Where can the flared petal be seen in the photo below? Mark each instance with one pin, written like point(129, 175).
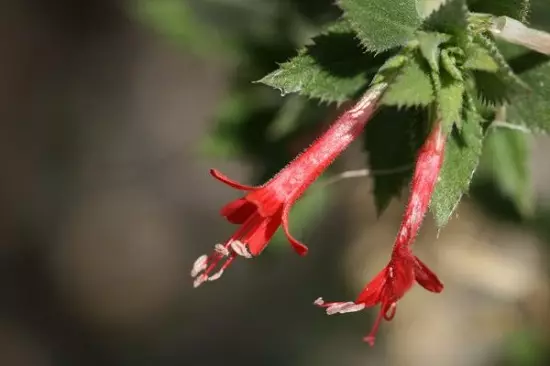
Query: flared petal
point(426, 278)
point(258, 239)
point(238, 211)
point(298, 246)
point(372, 292)
point(230, 182)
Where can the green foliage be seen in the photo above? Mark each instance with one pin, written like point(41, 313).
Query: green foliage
point(382, 24)
point(332, 69)
point(451, 17)
point(432, 60)
point(462, 156)
point(531, 108)
point(429, 44)
point(411, 87)
point(449, 100)
point(506, 161)
point(479, 58)
point(391, 141)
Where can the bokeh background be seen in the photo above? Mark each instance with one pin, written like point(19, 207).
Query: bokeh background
point(111, 114)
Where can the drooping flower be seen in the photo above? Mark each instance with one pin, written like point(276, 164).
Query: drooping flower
point(404, 268)
point(263, 209)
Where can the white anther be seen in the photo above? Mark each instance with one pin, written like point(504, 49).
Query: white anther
point(200, 265)
point(240, 248)
point(344, 307)
point(200, 280)
point(216, 275)
point(319, 302)
point(222, 250)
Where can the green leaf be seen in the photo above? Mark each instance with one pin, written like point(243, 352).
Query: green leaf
point(506, 158)
point(392, 138)
point(532, 108)
point(449, 100)
point(491, 89)
point(461, 159)
point(382, 24)
point(332, 69)
point(429, 46)
point(411, 87)
point(451, 17)
point(479, 58)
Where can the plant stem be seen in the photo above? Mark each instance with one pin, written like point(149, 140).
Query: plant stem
point(513, 31)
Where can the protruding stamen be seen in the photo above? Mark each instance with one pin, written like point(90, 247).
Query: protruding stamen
point(339, 307)
point(200, 280)
point(221, 250)
point(216, 275)
point(240, 248)
point(344, 307)
point(199, 265)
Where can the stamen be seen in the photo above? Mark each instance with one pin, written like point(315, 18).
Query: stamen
point(344, 307)
point(200, 280)
point(339, 307)
point(221, 250)
point(319, 302)
point(216, 275)
point(199, 265)
point(240, 248)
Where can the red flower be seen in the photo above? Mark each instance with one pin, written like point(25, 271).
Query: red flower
point(263, 209)
point(404, 268)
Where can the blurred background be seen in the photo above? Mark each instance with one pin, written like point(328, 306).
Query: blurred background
point(111, 114)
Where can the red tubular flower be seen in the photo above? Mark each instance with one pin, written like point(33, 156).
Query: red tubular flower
point(404, 268)
point(263, 209)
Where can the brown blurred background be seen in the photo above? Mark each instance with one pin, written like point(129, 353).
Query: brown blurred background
point(105, 202)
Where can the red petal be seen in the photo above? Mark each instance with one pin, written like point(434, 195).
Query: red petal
point(260, 236)
point(372, 292)
point(222, 178)
point(238, 211)
point(267, 200)
point(299, 247)
point(426, 278)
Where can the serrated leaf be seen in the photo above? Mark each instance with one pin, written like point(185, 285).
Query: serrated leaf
point(451, 17)
point(332, 69)
point(462, 155)
point(382, 24)
point(405, 130)
point(506, 158)
point(491, 89)
point(429, 46)
point(411, 87)
point(478, 58)
point(449, 101)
